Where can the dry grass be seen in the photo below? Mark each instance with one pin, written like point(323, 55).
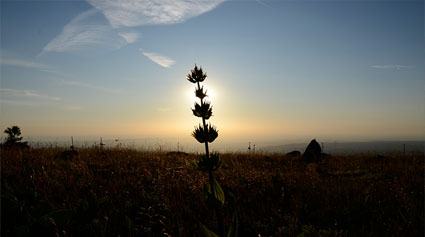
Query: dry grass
point(130, 193)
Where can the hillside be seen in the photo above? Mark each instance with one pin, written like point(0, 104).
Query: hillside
point(135, 193)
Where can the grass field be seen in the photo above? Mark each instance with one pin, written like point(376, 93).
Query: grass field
point(127, 192)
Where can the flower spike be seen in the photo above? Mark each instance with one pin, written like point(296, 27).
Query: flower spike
point(196, 75)
point(206, 133)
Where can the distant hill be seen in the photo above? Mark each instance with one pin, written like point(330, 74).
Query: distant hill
point(354, 147)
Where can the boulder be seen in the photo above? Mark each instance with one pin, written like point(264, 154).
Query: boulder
point(313, 153)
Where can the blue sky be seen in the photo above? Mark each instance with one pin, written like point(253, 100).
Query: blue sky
point(277, 70)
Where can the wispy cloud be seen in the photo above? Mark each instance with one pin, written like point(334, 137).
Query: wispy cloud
point(58, 77)
point(32, 103)
point(27, 93)
point(26, 64)
point(159, 59)
point(17, 102)
point(393, 66)
point(130, 37)
point(83, 31)
point(130, 13)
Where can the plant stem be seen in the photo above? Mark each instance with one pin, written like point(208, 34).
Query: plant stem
point(218, 211)
point(207, 153)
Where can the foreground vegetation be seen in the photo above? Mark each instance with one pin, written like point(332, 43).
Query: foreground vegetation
point(127, 192)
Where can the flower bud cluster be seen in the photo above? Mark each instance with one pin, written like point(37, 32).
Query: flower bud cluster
point(196, 75)
point(205, 134)
point(203, 110)
point(205, 164)
point(199, 92)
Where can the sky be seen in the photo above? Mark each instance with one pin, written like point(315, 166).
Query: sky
point(278, 71)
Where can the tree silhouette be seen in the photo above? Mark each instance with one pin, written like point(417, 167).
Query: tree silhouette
point(13, 135)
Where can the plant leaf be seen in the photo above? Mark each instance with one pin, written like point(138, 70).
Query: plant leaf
point(216, 192)
point(211, 201)
point(233, 230)
point(207, 232)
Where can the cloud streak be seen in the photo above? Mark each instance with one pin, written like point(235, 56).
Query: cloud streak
point(33, 103)
point(17, 103)
point(131, 13)
point(47, 68)
point(83, 31)
point(392, 66)
point(86, 33)
point(27, 93)
point(26, 64)
point(159, 59)
point(130, 37)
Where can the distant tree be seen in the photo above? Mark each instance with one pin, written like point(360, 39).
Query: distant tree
point(14, 137)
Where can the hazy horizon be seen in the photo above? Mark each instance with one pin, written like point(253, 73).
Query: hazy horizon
point(278, 71)
point(188, 144)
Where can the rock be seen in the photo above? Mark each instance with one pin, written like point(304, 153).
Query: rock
point(313, 153)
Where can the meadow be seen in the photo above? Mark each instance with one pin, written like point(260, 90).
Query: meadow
point(129, 192)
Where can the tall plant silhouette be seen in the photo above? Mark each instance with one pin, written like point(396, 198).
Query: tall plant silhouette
point(210, 162)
